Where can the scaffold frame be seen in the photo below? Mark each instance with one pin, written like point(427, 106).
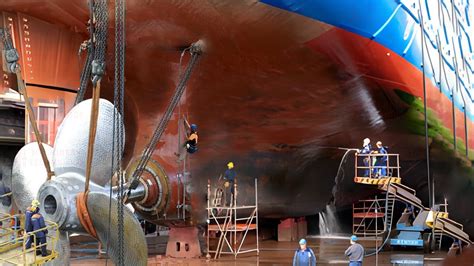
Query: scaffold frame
point(231, 224)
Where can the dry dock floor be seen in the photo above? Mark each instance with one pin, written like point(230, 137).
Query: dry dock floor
point(328, 252)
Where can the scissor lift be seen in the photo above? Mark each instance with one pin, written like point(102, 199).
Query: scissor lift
point(410, 233)
point(13, 239)
point(230, 223)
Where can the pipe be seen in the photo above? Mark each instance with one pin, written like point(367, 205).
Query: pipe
point(430, 181)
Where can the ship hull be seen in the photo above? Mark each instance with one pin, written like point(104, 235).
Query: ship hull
point(277, 93)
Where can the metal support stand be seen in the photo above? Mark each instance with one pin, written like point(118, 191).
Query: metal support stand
point(232, 224)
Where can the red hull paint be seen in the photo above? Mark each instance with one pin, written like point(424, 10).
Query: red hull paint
point(361, 56)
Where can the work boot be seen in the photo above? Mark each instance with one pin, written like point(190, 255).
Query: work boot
point(47, 253)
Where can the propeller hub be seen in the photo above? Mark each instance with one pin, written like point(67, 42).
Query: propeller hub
point(154, 190)
point(58, 200)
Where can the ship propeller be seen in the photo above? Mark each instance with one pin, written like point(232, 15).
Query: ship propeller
point(58, 197)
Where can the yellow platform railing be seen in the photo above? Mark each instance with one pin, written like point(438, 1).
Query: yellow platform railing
point(368, 166)
point(13, 249)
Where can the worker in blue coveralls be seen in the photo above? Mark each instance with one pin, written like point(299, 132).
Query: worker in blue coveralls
point(38, 223)
point(380, 169)
point(366, 150)
point(304, 255)
point(229, 179)
point(30, 211)
point(355, 252)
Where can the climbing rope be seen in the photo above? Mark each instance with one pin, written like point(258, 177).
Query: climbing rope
point(195, 51)
point(11, 56)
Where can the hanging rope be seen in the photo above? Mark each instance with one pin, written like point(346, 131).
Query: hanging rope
point(195, 51)
point(11, 56)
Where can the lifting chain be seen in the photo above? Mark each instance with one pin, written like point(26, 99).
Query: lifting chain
point(118, 130)
point(100, 21)
point(11, 57)
point(195, 51)
point(95, 47)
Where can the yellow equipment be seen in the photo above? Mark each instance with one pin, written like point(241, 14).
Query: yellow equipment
point(13, 241)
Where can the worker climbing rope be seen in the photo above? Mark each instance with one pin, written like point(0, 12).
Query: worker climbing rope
point(192, 139)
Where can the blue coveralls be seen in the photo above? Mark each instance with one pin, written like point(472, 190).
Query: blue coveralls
point(230, 176)
point(28, 225)
point(365, 159)
point(37, 221)
point(304, 257)
point(381, 163)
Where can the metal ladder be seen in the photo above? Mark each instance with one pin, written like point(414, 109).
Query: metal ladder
point(223, 237)
point(389, 206)
point(438, 236)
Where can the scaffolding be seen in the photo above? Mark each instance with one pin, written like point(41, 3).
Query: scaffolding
point(366, 215)
point(13, 240)
point(231, 223)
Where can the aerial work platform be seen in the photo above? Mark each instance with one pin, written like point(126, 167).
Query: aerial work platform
point(423, 228)
point(13, 239)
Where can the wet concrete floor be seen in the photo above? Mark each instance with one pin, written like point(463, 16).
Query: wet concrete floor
point(328, 252)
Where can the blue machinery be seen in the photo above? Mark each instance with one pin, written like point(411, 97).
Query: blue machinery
point(418, 226)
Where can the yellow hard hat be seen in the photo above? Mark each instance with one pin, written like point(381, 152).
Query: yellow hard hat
point(230, 165)
point(35, 203)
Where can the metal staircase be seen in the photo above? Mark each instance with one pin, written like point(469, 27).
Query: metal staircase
point(441, 225)
point(389, 206)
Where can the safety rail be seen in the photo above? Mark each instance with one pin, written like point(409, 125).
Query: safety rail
point(365, 212)
point(14, 249)
point(226, 221)
point(371, 166)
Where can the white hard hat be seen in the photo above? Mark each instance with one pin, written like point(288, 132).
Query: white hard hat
point(366, 141)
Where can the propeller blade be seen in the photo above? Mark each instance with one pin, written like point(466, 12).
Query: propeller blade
point(135, 246)
point(5, 202)
point(28, 174)
point(62, 247)
point(70, 148)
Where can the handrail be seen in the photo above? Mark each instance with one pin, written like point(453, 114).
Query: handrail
point(52, 236)
point(368, 163)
